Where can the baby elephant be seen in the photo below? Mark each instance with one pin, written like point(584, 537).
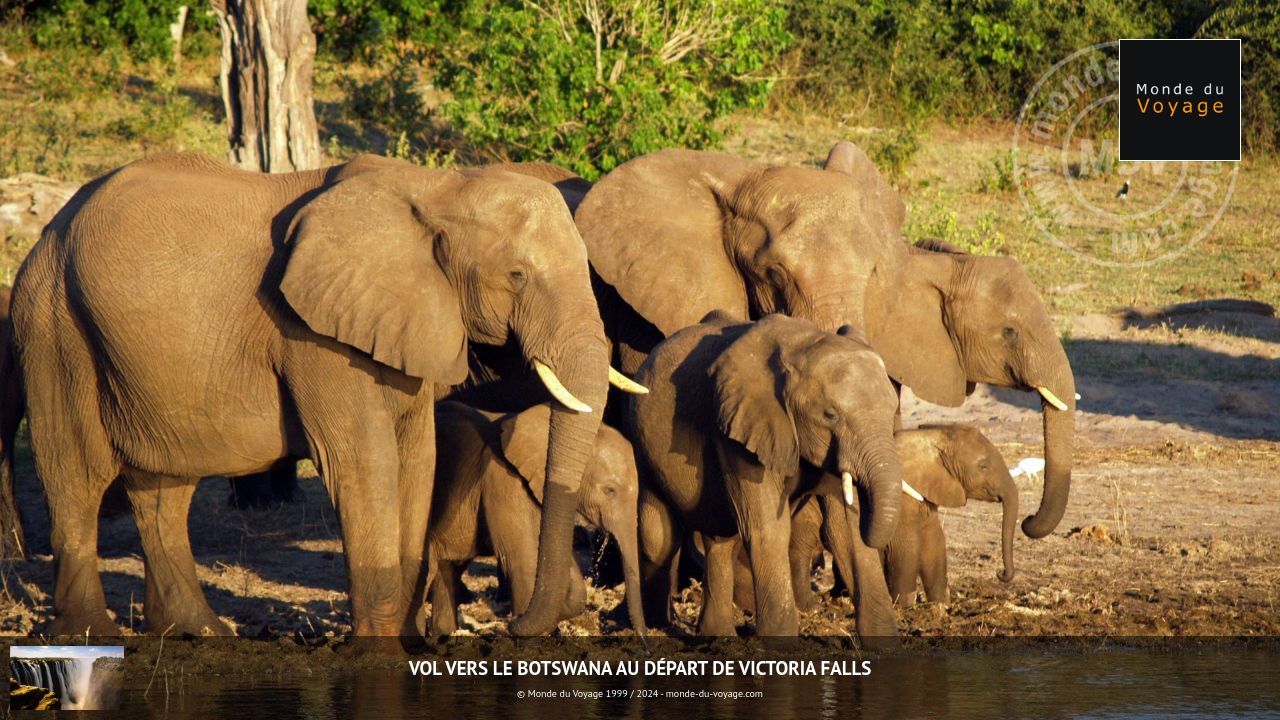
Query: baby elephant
point(742, 419)
point(946, 465)
point(490, 471)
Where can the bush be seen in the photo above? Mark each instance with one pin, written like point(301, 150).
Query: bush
point(590, 84)
point(371, 29)
point(1257, 23)
point(141, 26)
point(949, 58)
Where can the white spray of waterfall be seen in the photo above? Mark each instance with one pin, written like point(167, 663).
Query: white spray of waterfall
point(71, 679)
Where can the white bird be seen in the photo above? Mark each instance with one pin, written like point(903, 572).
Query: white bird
point(1030, 467)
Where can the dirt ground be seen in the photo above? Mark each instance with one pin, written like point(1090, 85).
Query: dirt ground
point(1171, 528)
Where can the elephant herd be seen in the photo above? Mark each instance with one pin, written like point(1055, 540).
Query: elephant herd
point(442, 343)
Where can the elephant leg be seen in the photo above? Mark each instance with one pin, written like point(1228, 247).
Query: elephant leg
point(174, 603)
point(933, 561)
point(660, 544)
point(806, 543)
point(75, 473)
point(513, 531)
point(744, 585)
point(415, 442)
point(444, 601)
point(863, 571)
point(717, 596)
point(353, 443)
point(902, 567)
point(766, 531)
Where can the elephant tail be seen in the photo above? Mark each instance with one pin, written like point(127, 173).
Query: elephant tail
point(12, 405)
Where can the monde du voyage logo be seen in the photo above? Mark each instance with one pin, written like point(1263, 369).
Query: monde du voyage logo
point(1127, 151)
point(1180, 100)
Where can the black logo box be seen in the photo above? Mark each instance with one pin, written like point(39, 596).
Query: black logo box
point(1186, 69)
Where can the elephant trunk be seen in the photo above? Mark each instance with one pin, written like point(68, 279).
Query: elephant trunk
point(1059, 429)
point(880, 476)
point(1008, 493)
point(574, 349)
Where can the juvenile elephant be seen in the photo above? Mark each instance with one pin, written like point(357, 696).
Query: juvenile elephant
point(182, 318)
point(676, 234)
point(942, 466)
point(947, 465)
point(489, 489)
point(735, 411)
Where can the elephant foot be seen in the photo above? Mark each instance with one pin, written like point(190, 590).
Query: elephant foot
point(879, 642)
point(878, 633)
point(444, 625)
point(358, 646)
point(93, 624)
point(806, 600)
point(717, 627)
point(781, 643)
point(199, 624)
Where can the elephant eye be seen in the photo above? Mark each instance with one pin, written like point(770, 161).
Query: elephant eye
point(517, 278)
point(1010, 334)
point(610, 491)
point(776, 276)
point(830, 415)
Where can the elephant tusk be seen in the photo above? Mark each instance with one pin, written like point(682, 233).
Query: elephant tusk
point(557, 388)
point(846, 483)
point(1051, 398)
point(626, 384)
point(1077, 396)
point(915, 494)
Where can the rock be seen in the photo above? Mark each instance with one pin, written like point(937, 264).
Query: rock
point(1222, 549)
point(29, 697)
point(29, 201)
point(1183, 549)
point(1098, 533)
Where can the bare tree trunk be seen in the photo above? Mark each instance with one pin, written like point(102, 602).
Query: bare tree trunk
point(267, 54)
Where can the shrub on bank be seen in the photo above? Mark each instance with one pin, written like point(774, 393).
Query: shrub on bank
point(589, 85)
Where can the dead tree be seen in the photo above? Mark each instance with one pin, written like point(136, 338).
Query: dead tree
point(268, 51)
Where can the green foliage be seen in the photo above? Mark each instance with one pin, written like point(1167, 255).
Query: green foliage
point(142, 26)
point(949, 58)
point(372, 29)
point(1257, 23)
point(591, 84)
point(390, 97)
point(893, 153)
point(1003, 177)
point(981, 237)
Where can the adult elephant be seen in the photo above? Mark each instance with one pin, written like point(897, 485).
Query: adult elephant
point(678, 233)
point(181, 318)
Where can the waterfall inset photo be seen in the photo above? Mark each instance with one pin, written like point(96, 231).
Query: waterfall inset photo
point(65, 677)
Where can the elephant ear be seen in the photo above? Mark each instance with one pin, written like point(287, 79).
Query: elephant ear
point(654, 230)
point(362, 269)
point(849, 159)
point(854, 332)
point(939, 245)
point(572, 187)
point(749, 383)
point(523, 441)
point(915, 343)
point(940, 488)
point(943, 484)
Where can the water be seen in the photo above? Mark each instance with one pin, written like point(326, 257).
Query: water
point(1137, 684)
point(70, 678)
